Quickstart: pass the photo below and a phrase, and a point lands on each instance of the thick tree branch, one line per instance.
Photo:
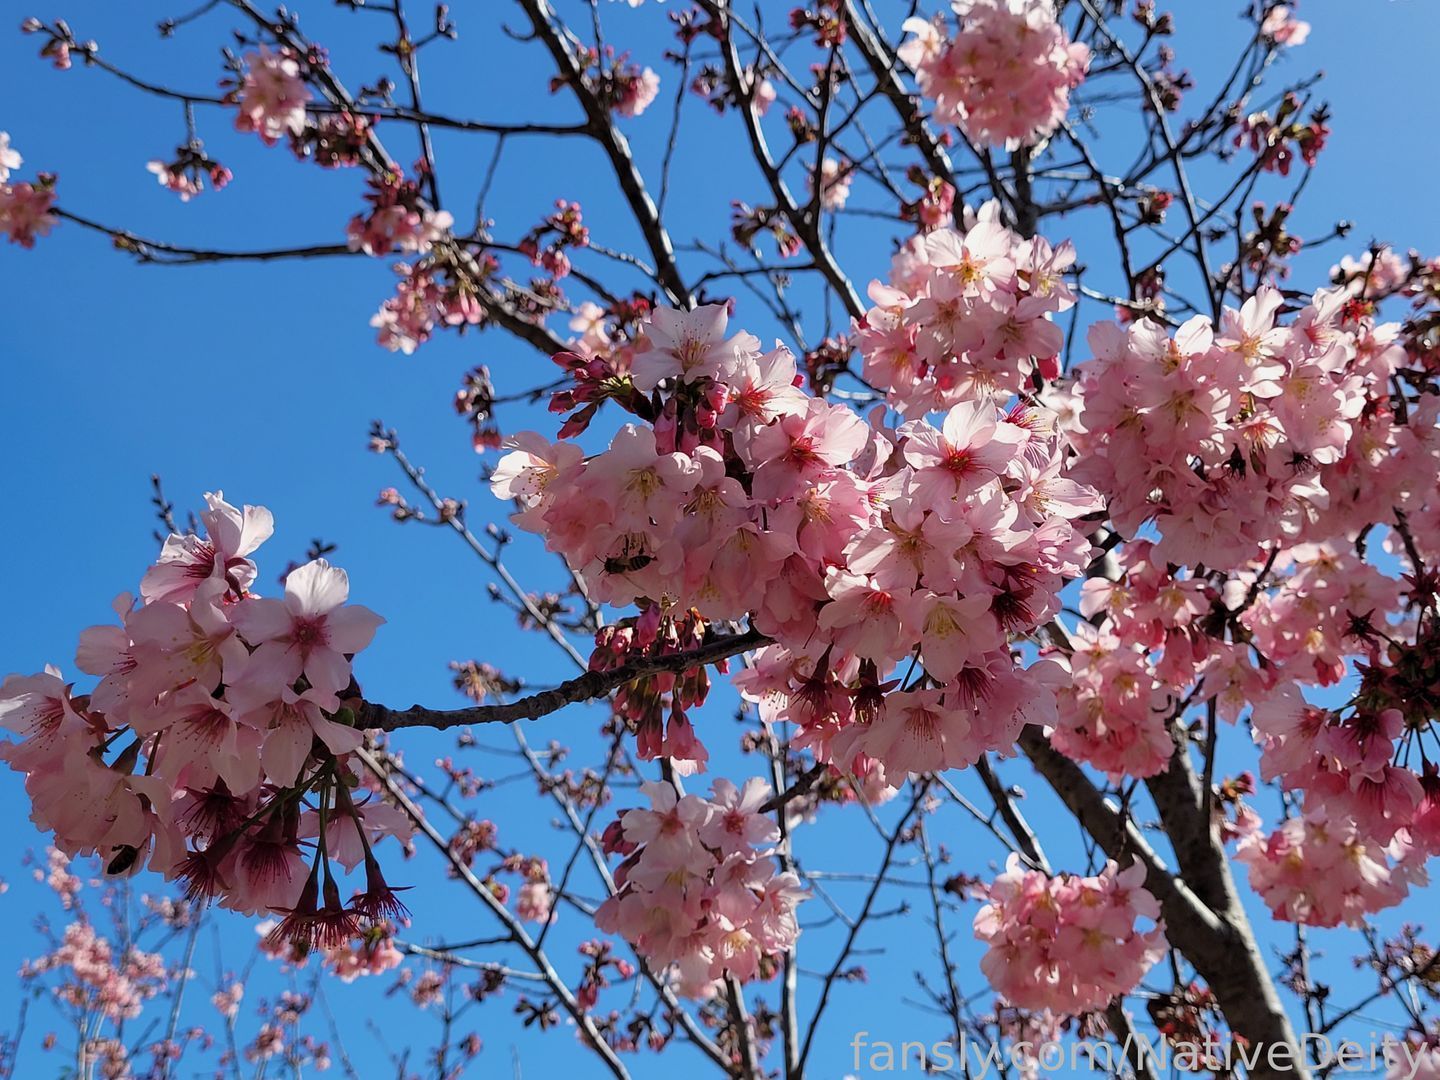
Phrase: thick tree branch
(586, 687)
(1219, 943)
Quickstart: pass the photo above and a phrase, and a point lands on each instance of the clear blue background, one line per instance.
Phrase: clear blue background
(262, 379)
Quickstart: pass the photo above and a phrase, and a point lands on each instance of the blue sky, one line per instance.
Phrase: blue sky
(262, 380)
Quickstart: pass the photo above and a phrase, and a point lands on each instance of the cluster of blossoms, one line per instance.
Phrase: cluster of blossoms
(1261, 452)
(213, 747)
(1376, 274)
(440, 289)
(698, 888)
(1303, 628)
(546, 244)
(857, 547)
(1004, 76)
(1278, 139)
(334, 140)
(93, 979)
(966, 316)
(1348, 759)
(1068, 944)
(279, 1035)
(1110, 711)
(1214, 433)
(25, 207)
(655, 706)
(428, 294)
(270, 94)
(934, 207)
(1321, 870)
(1148, 643)
(271, 98)
(370, 953)
(626, 88)
(1160, 639)
(398, 219)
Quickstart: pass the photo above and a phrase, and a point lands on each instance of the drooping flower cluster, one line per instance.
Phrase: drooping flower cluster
(187, 173)
(547, 243)
(1215, 434)
(1320, 870)
(856, 547)
(1302, 627)
(966, 316)
(1069, 944)
(427, 295)
(213, 746)
(372, 952)
(1264, 453)
(25, 211)
(699, 888)
(1359, 761)
(1004, 77)
(270, 94)
(655, 706)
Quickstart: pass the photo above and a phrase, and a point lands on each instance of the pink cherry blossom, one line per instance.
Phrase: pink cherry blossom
(187, 561)
(1281, 26)
(1317, 870)
(309, 632)
(687, 345)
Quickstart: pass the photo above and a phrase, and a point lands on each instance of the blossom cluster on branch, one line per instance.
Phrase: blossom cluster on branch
(857, 547)
(1004, 76)
(214, 747)
(1067, 943)
(699, 888)
(1251, 497)
(966, 316)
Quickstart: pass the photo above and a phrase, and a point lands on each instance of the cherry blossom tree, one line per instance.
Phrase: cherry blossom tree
(1148, 530)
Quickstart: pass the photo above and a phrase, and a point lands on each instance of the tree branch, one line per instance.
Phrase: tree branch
(586, 687)
(617, 148)
(583, 1021)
